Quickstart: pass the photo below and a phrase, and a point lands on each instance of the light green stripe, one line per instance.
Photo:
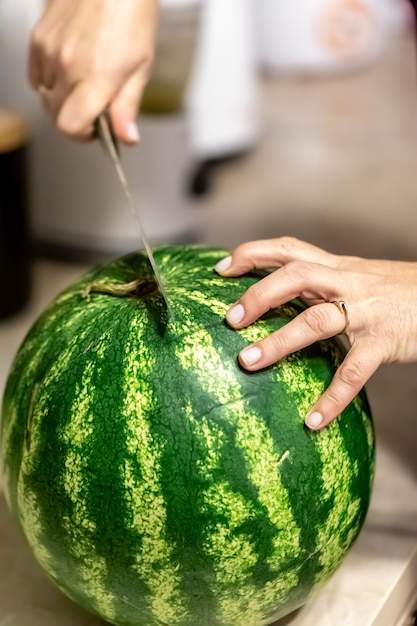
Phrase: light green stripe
(92, 568)
(219, 307)
(343, 521)
(197, 354)
(37, 346)
(301, 384)
(31, 514)
(144, 496)
(5, 466)
(370, 436)
(338, 472)
(189, 323)
(30, 367)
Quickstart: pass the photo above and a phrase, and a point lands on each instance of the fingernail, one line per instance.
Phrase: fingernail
(235, 314)
(133, 132)
(251, 355)
(224, 264)
(314, 420)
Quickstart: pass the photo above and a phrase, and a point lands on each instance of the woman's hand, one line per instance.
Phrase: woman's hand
(381, 301)
(86, 55)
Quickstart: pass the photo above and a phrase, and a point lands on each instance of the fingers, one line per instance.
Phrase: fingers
(315, 275)
(318, 323)
(47, 57)
(42, 54)
(87, 56)
(81, 107)
(86, 101)
(314, 324)
(72, 103)
(307, 280)
(52, 98)
(359, 365)
(374, 306)
(75, 111)
(272, 253)
(90, 98)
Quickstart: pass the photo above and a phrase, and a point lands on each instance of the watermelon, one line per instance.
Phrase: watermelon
(158, 483)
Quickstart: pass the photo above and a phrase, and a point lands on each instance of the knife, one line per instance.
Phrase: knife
(105, 133)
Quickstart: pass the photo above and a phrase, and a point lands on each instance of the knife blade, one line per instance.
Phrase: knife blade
(105, 133)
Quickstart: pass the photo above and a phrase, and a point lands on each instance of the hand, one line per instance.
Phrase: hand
(381, 299)
(86, 55)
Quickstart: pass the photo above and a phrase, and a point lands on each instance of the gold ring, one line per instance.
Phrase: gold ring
(342, 306)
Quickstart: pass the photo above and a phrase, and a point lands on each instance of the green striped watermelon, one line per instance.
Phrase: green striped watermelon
(156, 482)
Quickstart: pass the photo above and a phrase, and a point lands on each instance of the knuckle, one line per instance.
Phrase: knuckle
(317, 320)
(334, 404)
(278, 344)
(299, 271)
(44, 44)
(347, 382)
(36, 38)
(258, 294)
(288, 244)
(65, 57)
(351, 375)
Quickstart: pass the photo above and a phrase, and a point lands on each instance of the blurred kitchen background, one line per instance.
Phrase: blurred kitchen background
(262, 118)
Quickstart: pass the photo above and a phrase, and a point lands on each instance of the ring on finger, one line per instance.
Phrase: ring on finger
(343, 308)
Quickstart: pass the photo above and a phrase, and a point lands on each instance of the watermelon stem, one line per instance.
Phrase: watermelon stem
(138, 288)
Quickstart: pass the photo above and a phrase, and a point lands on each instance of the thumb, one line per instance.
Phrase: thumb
(124, 109)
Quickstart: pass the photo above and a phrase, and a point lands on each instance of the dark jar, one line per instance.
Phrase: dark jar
(15, 248)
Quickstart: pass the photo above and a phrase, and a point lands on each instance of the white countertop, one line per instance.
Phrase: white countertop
(373, 586)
